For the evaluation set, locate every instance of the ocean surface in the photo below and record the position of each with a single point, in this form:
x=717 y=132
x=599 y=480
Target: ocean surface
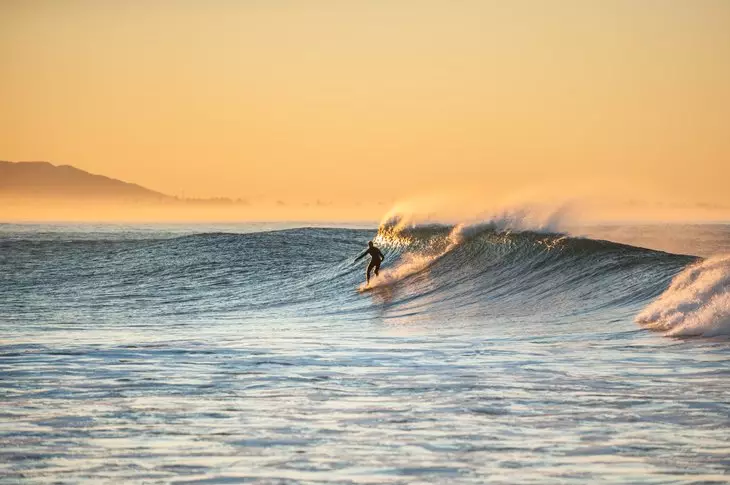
x=253 y=353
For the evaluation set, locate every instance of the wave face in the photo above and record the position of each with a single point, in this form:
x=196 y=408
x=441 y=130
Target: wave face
x=432 y=273
x=482 y=270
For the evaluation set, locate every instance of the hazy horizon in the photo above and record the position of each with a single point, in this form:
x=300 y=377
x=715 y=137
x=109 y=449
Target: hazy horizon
x=65 y=204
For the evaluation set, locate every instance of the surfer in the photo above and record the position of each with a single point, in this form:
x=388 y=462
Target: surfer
x=376 y=257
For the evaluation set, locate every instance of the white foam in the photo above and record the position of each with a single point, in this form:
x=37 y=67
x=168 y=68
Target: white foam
x=696 y=303
x=412 y=263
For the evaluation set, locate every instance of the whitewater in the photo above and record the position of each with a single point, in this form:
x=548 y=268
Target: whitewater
x=251 y=353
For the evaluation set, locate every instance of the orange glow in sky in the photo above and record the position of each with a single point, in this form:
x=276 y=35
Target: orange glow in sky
x=352 y=102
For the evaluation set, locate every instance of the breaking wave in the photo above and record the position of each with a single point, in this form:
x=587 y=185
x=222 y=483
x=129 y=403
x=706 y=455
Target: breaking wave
x=697 y=302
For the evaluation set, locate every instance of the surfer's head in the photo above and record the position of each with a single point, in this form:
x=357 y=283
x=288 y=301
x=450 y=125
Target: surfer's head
x=370 y=243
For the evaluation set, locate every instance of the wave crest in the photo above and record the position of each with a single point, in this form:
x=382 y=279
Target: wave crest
x=520 y=218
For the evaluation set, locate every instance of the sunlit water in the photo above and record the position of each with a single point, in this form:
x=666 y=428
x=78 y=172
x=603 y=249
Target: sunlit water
x=151 y=355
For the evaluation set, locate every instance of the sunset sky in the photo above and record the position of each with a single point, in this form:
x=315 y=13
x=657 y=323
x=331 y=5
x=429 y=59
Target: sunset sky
x=349 y=101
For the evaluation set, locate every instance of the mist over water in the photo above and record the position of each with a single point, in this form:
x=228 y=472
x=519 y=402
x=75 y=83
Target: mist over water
x=482 y=353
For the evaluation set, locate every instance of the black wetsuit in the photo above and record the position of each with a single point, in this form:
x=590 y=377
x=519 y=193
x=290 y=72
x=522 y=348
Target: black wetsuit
x=376 y=257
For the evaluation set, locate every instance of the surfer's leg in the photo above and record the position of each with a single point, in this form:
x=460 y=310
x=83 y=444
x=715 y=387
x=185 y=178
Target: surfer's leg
x=377 y=268
x=370 y=268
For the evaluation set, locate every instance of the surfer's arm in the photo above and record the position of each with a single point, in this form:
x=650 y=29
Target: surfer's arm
x=382 y=256
x=361 y=256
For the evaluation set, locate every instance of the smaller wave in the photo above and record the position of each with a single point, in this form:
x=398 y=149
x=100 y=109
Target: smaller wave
x=697 y=303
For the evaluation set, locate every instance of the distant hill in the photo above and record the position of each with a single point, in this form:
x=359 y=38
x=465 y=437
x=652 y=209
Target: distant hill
x=43 y=180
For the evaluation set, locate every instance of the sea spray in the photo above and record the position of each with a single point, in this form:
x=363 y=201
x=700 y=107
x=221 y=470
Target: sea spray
x=513 y=217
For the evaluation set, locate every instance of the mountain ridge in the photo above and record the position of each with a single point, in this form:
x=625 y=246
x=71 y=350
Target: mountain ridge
x=42 y=179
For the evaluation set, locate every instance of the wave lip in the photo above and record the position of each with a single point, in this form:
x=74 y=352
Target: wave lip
x=697 y=302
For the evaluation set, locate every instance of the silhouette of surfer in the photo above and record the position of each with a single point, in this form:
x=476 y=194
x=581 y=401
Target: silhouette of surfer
x=376 y=257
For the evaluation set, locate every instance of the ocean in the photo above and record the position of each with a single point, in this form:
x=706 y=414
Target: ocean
x=253 y=353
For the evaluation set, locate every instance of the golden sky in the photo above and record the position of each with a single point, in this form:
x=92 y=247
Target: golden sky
x=350 y=101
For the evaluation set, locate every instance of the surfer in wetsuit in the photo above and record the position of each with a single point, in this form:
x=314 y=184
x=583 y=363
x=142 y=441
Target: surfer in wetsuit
x=376 y=257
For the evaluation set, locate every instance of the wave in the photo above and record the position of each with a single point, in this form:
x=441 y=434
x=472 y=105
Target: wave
x=501 y=269
x=516 y=272
x=697 y=302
